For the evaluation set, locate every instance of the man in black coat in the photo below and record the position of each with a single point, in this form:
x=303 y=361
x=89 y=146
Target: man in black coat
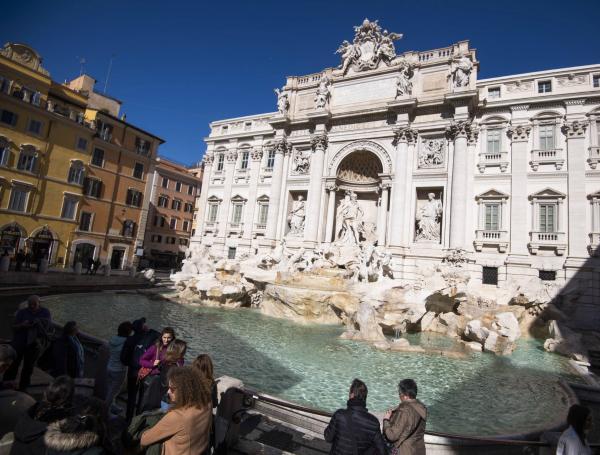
x=133 y=348
x=354 y=431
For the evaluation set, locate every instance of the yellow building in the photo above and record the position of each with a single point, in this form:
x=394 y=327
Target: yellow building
x=45 y=146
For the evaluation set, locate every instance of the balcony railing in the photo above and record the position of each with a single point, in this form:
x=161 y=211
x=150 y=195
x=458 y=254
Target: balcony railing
x=593 y=157
x=595 y=243
x=489 y=159
x=260 y=226
x=491 y=238
x=548 y=240
x=551 y=156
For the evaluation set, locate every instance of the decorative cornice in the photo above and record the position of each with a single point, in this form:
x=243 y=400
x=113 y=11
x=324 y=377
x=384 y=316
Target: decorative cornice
x=331 y=186
x=519 y=133
x=575 y=102
x=319 y=142
x=574 y=129
x=406 y=134
x=520 y=107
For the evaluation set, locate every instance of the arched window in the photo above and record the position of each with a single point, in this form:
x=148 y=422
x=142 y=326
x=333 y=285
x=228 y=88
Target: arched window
x=27 y=158
x=76 y=172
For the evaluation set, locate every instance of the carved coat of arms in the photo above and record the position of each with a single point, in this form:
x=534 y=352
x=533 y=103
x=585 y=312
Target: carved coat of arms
x=370 y=47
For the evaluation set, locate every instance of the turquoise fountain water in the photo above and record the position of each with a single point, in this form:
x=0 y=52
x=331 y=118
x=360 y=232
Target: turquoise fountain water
x=483 y=394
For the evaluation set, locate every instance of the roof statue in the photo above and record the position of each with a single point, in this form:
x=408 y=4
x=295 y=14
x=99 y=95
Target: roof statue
x=371 y=46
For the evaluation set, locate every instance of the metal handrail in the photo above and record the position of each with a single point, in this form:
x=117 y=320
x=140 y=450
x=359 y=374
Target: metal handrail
x=257 y=396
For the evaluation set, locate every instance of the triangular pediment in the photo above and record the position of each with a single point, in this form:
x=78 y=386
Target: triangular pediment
x=492 y=194
x=595 y=195
x=549 y=193
x=214 y=198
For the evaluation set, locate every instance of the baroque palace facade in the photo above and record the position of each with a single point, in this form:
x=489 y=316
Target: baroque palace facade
x=73 y=175
x=416 y=152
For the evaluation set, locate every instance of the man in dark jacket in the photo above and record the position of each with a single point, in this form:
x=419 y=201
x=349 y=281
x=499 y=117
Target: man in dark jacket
x=404 y=426
x=354 y=431
x=133 y=348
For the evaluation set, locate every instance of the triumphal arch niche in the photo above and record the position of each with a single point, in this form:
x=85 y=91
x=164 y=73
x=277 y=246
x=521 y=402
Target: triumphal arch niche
x=358 y=180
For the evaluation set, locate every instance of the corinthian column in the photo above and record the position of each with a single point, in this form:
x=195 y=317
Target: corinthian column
x=255 y=156
x=331 y=188
x=201 y=203
x=403 y=138
x=319 y=144
x=519 y=221
x=231 y=158
x=576 y=196
x=281 y=148
x=382 y=214
x=459 y=132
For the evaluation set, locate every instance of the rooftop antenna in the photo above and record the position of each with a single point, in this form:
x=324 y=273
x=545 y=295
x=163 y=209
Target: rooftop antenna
x=108 y=73
x=81 y=65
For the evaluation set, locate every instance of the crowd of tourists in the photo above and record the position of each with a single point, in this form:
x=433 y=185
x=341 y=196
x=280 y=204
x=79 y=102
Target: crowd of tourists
x=169 y=406
x=24 y=261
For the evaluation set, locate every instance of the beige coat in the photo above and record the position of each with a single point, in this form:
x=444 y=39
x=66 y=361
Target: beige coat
x=406 y=427
x=183 y=431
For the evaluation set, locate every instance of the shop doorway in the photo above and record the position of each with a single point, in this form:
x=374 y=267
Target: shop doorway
x=42 y=244
x=83 y=253
x=116 y=258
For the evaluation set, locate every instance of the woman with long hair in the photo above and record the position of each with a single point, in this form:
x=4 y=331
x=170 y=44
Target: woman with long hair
x=573 y=440
x=203 y=365
x=184 y=430
x=173 y=358
x=155 y=354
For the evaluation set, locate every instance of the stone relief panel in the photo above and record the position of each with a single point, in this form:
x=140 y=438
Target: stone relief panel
x=572 y=79
x=519 y=86
x=432 y=153
x=428 y=217
x=301 y=162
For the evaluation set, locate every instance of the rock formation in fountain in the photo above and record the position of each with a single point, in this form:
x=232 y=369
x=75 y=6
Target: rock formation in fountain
x=350 y=283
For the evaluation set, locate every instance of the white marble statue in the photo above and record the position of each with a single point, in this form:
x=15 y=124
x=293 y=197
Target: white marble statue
x=404 y=84
x=351 y=214
x=297 y=216
x=274 y=257
x=323 y=93
x=349 y=53
x=283 y=102
x=461 y=70
x=429 y=220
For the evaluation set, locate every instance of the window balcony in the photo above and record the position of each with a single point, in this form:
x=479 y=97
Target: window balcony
x=260 y=226
x=593 y=157
x=552 y=156
x=211 y=227
x=548 y=240
x=595 y=243
x=489 y=159
x=235 y=228
x=499 y=239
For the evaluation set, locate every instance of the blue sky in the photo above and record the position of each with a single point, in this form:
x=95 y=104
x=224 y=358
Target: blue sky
x=179 y=65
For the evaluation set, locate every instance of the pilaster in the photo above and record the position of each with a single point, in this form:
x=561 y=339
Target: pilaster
x=255 y=156
x=319 y=145
x=281 y=148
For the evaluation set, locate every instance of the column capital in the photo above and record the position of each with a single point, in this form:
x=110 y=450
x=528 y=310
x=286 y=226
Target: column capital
x=256 y=154
x=575 y=129
x=331 y=186
x=519 y=133
x=282 y=146
x=472 y=134
x=459 y=129
x=232 y=155
x=208 y=159
x=319 y=141
x=406 y=134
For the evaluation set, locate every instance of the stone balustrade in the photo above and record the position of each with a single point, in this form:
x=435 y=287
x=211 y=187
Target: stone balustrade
x=490 y=159
x=548 y=240
x=488 y=237
x=551 y=156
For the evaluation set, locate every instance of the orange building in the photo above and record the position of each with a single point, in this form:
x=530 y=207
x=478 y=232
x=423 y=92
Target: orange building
x=171 y=212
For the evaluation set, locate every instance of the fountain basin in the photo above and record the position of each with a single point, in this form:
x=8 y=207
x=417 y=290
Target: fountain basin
x=480 y=394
